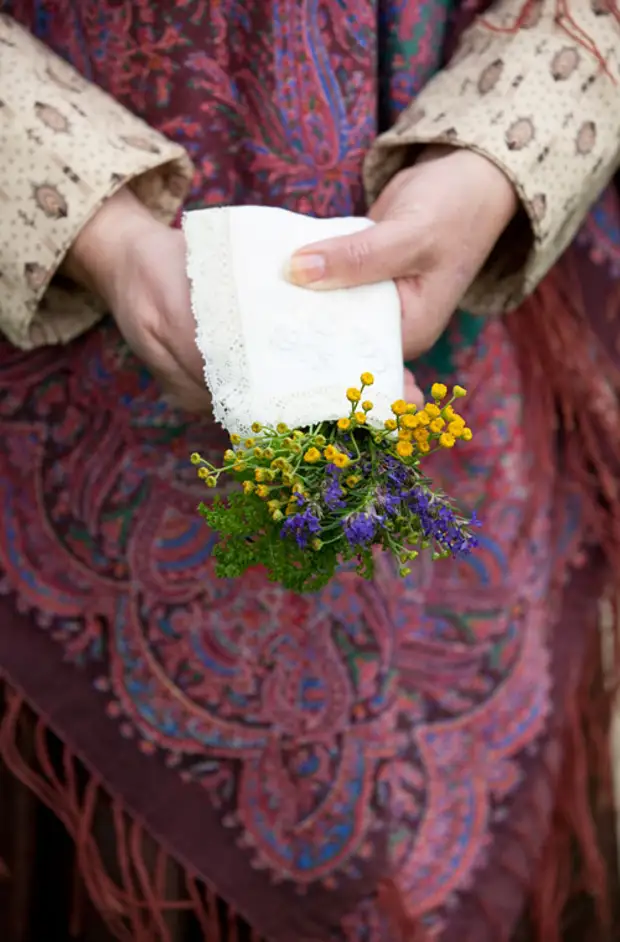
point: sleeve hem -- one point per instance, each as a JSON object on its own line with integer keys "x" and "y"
{"x": 32, "y": 332}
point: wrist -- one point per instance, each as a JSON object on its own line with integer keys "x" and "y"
{"x": 501, "y": 195}
{"x": 94, "y": 256}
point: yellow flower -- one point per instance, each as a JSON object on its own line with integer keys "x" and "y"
{"x": 340, "y": 460}
{"x": 344, "y": 424}
{"x": 404, "y": 449}
{"x": 195, "y": 458}
{"x": 263, "y": 491}
{"x": 250, "y": 442}
{"x": 353, "y": 395}
{"x": 273, "y": 505}
{"x": 431, "y": 409}
{"x": 258, "y": 452}
{"x": 330, "y": 453}
{"x": 229, "y": 455}
{"x": 467, "y": 434}
{"x": 447, "y": 440}
{"x": 211, "y": 481}
{"x": 404, "y": 435}
{"x": 399, "y": 407}
{"x": 424, "y": 448}
{"x": 437, "y": 425}
{"x": 456, "y": 428}
{"x": 448, "y": 413}
{"x": 411, "y": 407}
{"x": 439, "y": 391}
{"x": 203, "y": 473}
{"x": 316, "y": 544}
{"x": 281, "y": 428}
{"x": 410, "y": 421}
{"x": 268, "y": 453}
{"x": 277, "y": 515}
{"x": 235, "y": 439}
{"x": 312, "y": 455}
{"x": 367, "y": 405}
{"x": 367, "y": 379}
{"x": 360, "y": 418}
{"x": 320, "y": 440}
{"x": 248, "y": 487}
{"x": 352, "y": 480}
{"x": 298, "y": 488}
{"x": 291, "y": 509}
{"x": 423, "y": 417}
{"x": 390, "y": 424}
{"x": 259, "y": 475}
{"x": 240, "y": 466}
{"x": 458, "y": 392}
{"x": 256, "y": 427}
{"x": 421, "y": 435}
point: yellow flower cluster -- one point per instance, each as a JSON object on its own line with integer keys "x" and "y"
{"x": 436, "y": 423}
{"x": 277, "y": 466}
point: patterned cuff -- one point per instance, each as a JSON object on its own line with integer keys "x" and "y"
{"x": 66, "y": 147}
{"x": 537, "y": 104}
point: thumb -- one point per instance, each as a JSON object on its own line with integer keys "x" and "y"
{"x": 379, "y": 253}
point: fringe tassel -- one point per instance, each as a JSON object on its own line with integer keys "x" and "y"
{"x": 573, "y": 865}
{"x": 571, "y": 391}
{"x": 135, "y": 907}
{"x": 571, "y": 394}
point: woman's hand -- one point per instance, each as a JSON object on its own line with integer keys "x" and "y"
{"x": 437, "y": 222}
{"x": 137, "y": 265}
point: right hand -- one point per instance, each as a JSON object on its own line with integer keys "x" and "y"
{"x": 137, "y": 265}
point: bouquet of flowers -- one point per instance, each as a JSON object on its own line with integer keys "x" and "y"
{"x": 327, "y": 488}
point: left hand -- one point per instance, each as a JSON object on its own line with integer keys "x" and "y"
{"x": 437, "y": 222}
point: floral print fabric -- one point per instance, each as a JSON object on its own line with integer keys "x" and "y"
{"x": 384, "y": 728}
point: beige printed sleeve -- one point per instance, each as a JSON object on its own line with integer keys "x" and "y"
{"x": 538, "y": 104}
{"x": 65, "y": 147}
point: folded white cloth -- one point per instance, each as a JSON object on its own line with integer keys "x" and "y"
{"x": 274, "y": 352}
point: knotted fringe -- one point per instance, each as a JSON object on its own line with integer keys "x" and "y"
{"x": 133, "y": 907}
{"x": 573, "y": 885}
{"x": 571, "y": 392}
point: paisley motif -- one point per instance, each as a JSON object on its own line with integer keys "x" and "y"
{"x": 311, "y": 723}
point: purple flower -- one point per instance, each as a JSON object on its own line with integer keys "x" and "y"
{"x": 302, "y": 526}
{"x": 389, "y": 501}
{"x": 440, "y": 524}
{"x": 396, "y": 473}
{"x": 334, "y": 494}
{"x": 360, "y": 528}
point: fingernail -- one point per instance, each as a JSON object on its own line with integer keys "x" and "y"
{"x": 305, "y": 269}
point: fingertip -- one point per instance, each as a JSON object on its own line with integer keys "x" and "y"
{"x": 305, "y": 269}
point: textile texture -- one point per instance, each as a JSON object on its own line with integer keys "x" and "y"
{"x": 382, "y": 758}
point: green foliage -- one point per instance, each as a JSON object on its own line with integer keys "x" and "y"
{"x": 312, "y": 499}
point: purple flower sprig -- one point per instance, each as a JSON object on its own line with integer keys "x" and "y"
{"x": 314, "y": 498}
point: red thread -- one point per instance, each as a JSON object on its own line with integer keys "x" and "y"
{"x": 564, "y": 19}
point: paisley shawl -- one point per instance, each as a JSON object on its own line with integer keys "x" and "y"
{"x": 294, "y": 752}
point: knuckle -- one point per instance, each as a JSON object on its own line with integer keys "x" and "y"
{"x": 358, "y": 255}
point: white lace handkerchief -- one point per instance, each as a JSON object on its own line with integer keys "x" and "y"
{"x": 274, "y": 352}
